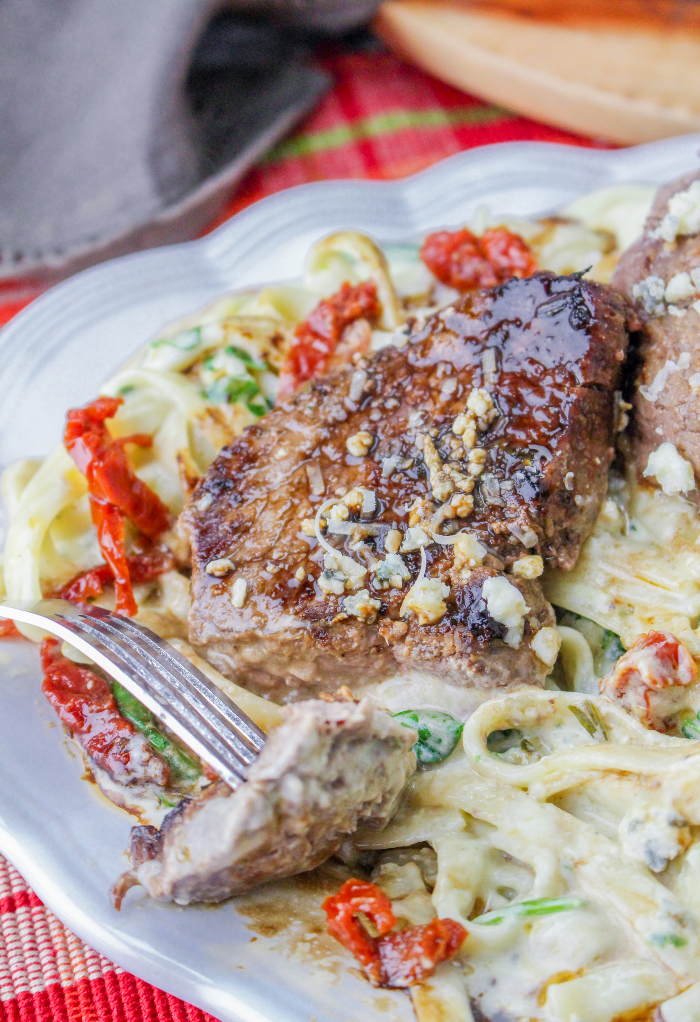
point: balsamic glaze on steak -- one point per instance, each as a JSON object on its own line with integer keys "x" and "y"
{"x": 548, "y": 351}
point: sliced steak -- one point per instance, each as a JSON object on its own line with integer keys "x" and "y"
{"x": 328, "y": 767}
{"x": 666, "y": 396}
{"x": 499, "y": 411}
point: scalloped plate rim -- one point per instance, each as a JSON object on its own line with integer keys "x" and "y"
{"x": 90, "y": 298}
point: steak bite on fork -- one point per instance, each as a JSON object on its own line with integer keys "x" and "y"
{"x": 329, "y": 767}
{"x": 324, "y": 539}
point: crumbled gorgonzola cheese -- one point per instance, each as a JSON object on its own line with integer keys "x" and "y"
{"x": 651, "y": 292}
{"x": 654, "y": 836}
{"x": 362, "y": 606}
{"x": 679, "y": 287}
{"x": 426, "y": 598}
{"x": 414, "y": 539}
{"x": 671, "y": 470}
{"x": 331, "y": 580}
{"x": 546, "y": 644}
{"x": 683, "y": 216}
{"x": 506, "y": 605}
{"x": 393, "y": 564}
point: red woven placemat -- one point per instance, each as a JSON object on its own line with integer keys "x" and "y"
{"x": 383, "y": 119}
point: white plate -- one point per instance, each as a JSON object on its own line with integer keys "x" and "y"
{"x": 67, "y": 841}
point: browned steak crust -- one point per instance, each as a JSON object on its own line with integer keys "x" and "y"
{"x": 671, "y": 408}
{"x": 548, "y": 351}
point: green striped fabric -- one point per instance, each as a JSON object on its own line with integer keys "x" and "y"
{"x": 381, "y": 124}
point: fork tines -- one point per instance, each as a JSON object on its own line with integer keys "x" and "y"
{"x": 179, "y": 695}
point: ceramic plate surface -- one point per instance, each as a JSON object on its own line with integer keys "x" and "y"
{"x": 66, "y": 840}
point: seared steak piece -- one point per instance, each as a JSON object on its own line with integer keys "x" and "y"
{"x": 327, "y": 768}
{"x": 657, "y": 273}
{"x": 495, "y": 417}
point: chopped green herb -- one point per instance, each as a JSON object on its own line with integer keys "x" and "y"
{"x": 584, "y": 720}
{"x": 245, "y": 357}
{"x": 499, "y": 742}
{"x": 257, "y": 408}
{"x": 229, "y": 389}
{"x": 242, "y": 387}
{"x": 536, "y": 907}
{"x": 438, "y": 733}
{"x": 126, "y": 389}
{"x": 184, "y": 341}
{"x": 183, "y": 764}
{"x": 597, "y": 719}
{"x": 588, "y": 717}
{"x": 691, "y": 728}
{"x": 611, "y": 645}
{"x": 664, "y": 939}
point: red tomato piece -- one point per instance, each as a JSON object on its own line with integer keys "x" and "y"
{"x": 341, "y": 911}
{"x": 109, "y": 523}
{"x": 509, "y": 255}
{"x": 317, "y": 337}
{"x": 142, "y": 568}
{"x": 85, "y": 704}
{"x": 457, "y": 260}
{"x": 464, "y": 261}
{"x": 410, "y": 956}
{"x": 87, "y": 585}
{"x": 397, "y": 959}
{"x": 649, "y": 679}
{"x": 116, "y": 493}
{"x": 8, "y": 630}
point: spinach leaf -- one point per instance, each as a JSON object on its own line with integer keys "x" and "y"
{"x": 438, "y": 733}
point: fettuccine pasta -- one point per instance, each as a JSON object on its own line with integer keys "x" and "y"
{"x": 556, "y": 826}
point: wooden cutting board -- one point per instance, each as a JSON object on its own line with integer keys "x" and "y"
{"x": 626, "y": 81}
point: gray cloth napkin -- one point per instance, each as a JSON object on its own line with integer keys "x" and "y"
{"x": 323, "y": 15}
{"x": 123, "y": 126}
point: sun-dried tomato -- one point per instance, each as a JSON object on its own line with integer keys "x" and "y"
{"x": 648, "y": 680}
{"x": 317, "y": 337}
{"x": 397, "y": 959}
{"x": 508, "y": 253}
{"x": 116, "y": 493}
{"x": 341, "y": 914}
{"x": 142, "y": 568}
{"x": 85, "y": 704}
{"x": 8, "y": 630}
{"x": 411, "y": 955}
{"x": 464, "y": 261}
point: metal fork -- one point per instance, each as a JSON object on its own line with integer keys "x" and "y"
{"x": 179, "y": 695}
